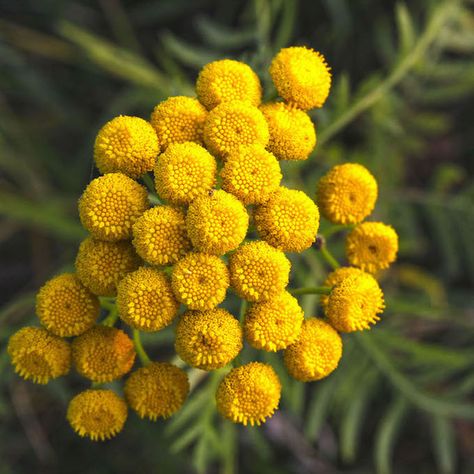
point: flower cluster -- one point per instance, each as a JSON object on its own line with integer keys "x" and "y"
{"x": 176, "y": 249}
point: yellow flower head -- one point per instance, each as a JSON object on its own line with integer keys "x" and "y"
{"x": 334, "y": 278}
{"x": 274, "y": 324}
{"x": 200, "y": 281}
{"x": 232, "y": 124}
{"x": 227, "y": 80}
{"x": 217, "y": 223}
{"x": 249, "y": 394}
{"x": 97, "y": 414}
{"x": 160, "y": 237}
{"x": 66, "y": 307}
{"x": 208, "y": 340}
{"x": 292, "y": 133}
{"x": 316, "y": 353}
{"x": 157, "y": 390}
{"x": 128, "y": 145}
{"x": 354, "y": 304}
{"x": 289, "y": 220}
{"x": 38, "y": 355}
{"x": 183, "y": 172}
{"x": 101, "y": 265}
{"x": 103, "y": 354}
{"x": 372, "y": 246}
{"x": 258, "y": 271}
{"x": 110, "y": 205}
{"x": 301, "y": 76}
{"x": 145, "y": 300}
{"x": 347, "y": 194}
{"x": 251, "y": 174}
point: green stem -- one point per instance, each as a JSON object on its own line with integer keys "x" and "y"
{"x": 243, "y": 309}
{"x": 327, "y": 255}
{"x": 311, "y": 290}
{"x": 111, "y": 318}
{"x": 142, "y": 355}
{"x": 337, "y": 228}
{"x": 148, "y": 180}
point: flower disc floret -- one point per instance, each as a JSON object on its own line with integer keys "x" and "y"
{"x": 157, "y": 390}
{"x": 316, "y": 353}
{"x": 335, "y": 277}
{"x": 110, "y": 205}
{"x": 227, "y": 80}
{"x": 145, "y": 300}
{"x": 66, "y": 307}
{"x": 38, "y": 355}
{"x": 128, "y": 145}
{"x": 251, "y": 174}
{"x": 347, "y": 194}
{"x": 183, "y": 172}
{"x": 208, "y": 340}
{"x": 301, "y": 77}
{"x": 249, "y": 394}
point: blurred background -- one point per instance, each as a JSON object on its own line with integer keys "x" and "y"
{"x": 402, "y": 400}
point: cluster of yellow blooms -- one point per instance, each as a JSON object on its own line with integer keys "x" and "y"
{"x": 215, "y": 160}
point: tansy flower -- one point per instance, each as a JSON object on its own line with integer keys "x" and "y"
{"x": 372, "y": 246}
{"x": 200, "y": 281}
{"x": 97, "y": 414}
{"x": 38, "y": 355}
{"x": 160, "y": 237}
{"x": 289, "y": 220}
{"x": 179, "y": 119}
{"x": 217, "y": 223}
{"x": 232, "y": 124}
{"x": 145, "y": 300}
{"x": 274, "y": 324}
{"x": 316, "y": 353}
{"x": 100, "y": 265}
{"x": 292, "y": 133}
{"x": 249, "y": 394}
{"x": 301, "y": 76}
{"x": 103, "y": 354}
{"x": 334, "y": 278}
{"x": 355, "y": 303}
{"x": 227, "y": 80}
{"x": 128, "y": 145}
{"x": 251, "y": 174}
{"x": 157, "y": 390}
{"x": 347, "y": 194}
{"x": 208, "y": 340}
{"x": 258, "y": 271}
{"x": 183, "y": 172}
{"x": 110, "y": 205}
{"x": 66, "y": 307}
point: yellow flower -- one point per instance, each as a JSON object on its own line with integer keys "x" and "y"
{"x": 347, "y": 194}
{"x": 301, "y": 76}
{"x": 258, "y": 271}
{"x": 66, "y": 307}
{"x": 292, "y": 133}
{"x": 316, "y": 353}
{"x": 232, "y": 124}
{"x": 110, "y": 205}
{"x": 227, "y": 80}
{"x": 289, "y": 220}
{"x": 128, "y": 145}
{"x": 183, "y": 172}
{"x": 160, "y": 237}
{"x": 179, "y": 119}
{"x": 249, "y": 394}
{"x": 101, "y": 265}
{"x": 200, "y": 281}
{"x": 38, "y": 355}
{"x": 274, "y": 324}
{"x": 251, "y": 174}
{"x": 334, "y": 278}
{"x": 157, "y": 390}
{"x": 372, "y": 246}
{"x": 208, "y": 340}
{"x": 217, "y": 223}
{"x": 103, "y": 354}
{"x": 145, "y": 300}
{"x": 354, "y": 304}
{"x": 97, "y": 414}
